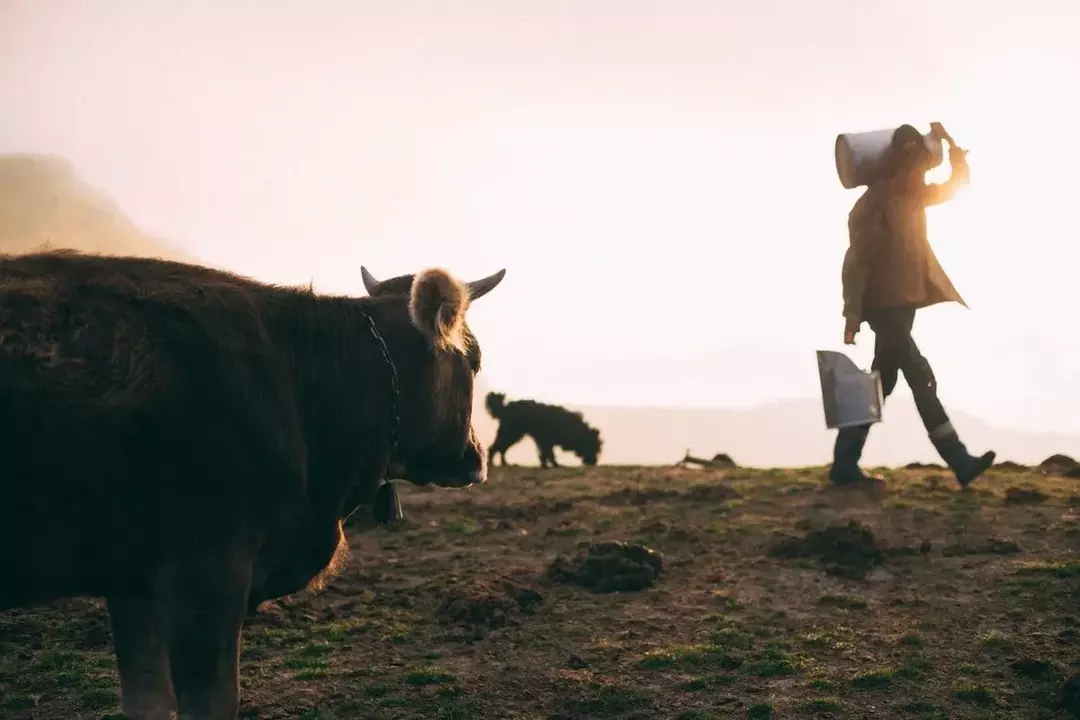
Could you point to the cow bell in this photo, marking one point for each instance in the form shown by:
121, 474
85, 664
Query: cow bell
387, 506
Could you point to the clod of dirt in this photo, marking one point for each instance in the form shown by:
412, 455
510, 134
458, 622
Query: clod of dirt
993, 546
712, 493
485, 605
1069, 695
722, 460
1024, 496
1008, 465
1033, 669
576, 662
1057, 464
537, 510
847, 551
609, 567
923, 466
632, 496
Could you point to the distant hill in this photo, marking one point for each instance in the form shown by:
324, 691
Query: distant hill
785, 434
45, 204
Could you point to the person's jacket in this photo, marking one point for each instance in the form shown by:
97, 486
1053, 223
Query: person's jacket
889, 261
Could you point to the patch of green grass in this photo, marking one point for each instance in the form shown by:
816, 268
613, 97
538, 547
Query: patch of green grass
98, 699
996, 642
835, 639
876, 679
1061, 569
18, 702
310, 662
428, 675
399, 633
773, 661
689, 656
761, 711
914, 668
731, 638
974, 693
1037, 670
912, 639
599, 700
726, 601
818, 706
846, 602
922, 708
452, 711
462, 526
377, 690
706, 683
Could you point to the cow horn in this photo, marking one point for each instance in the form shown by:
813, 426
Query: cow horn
370, 283
480, 288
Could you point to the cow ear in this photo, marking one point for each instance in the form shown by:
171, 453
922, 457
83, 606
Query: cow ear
437, 304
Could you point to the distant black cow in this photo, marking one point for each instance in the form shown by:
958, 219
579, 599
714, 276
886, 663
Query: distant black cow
185, 442
547, 425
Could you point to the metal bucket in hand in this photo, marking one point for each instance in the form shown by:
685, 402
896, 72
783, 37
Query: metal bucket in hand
850, 396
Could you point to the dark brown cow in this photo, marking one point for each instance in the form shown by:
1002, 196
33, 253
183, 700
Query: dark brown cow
185, 443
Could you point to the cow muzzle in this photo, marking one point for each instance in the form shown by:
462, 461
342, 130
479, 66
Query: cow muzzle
469, 469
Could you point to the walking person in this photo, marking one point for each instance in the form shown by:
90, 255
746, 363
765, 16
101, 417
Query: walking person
889, 273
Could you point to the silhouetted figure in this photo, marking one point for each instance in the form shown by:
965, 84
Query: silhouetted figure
890, 271
548, 425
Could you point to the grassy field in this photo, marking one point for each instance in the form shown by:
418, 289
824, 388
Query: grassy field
770, 603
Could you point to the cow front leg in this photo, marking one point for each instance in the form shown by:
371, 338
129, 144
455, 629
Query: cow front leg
207, 611
142, 657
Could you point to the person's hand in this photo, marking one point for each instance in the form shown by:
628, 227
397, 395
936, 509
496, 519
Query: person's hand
851, 329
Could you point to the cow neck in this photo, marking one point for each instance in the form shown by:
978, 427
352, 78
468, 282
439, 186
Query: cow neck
395, 418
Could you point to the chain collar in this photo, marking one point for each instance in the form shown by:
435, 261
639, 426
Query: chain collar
394, 412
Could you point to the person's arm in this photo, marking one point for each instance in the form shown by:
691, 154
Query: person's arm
959, 173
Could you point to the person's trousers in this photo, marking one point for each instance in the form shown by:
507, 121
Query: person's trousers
895, 352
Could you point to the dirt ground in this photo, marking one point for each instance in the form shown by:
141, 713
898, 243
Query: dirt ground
769, 595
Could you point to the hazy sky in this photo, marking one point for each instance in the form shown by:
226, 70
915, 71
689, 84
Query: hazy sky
657, 177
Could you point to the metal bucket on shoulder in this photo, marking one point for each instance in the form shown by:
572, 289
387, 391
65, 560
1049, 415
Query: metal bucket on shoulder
860, 157
850, 396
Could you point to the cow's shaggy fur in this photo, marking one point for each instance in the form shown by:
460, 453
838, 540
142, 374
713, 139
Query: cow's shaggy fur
548, 425
185, 442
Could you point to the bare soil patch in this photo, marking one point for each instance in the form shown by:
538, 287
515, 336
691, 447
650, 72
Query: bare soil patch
916, 600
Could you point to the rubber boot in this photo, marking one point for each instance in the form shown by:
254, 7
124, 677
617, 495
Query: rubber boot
848, 450
964, 465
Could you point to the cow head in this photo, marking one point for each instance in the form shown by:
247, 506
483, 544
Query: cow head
436, 443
